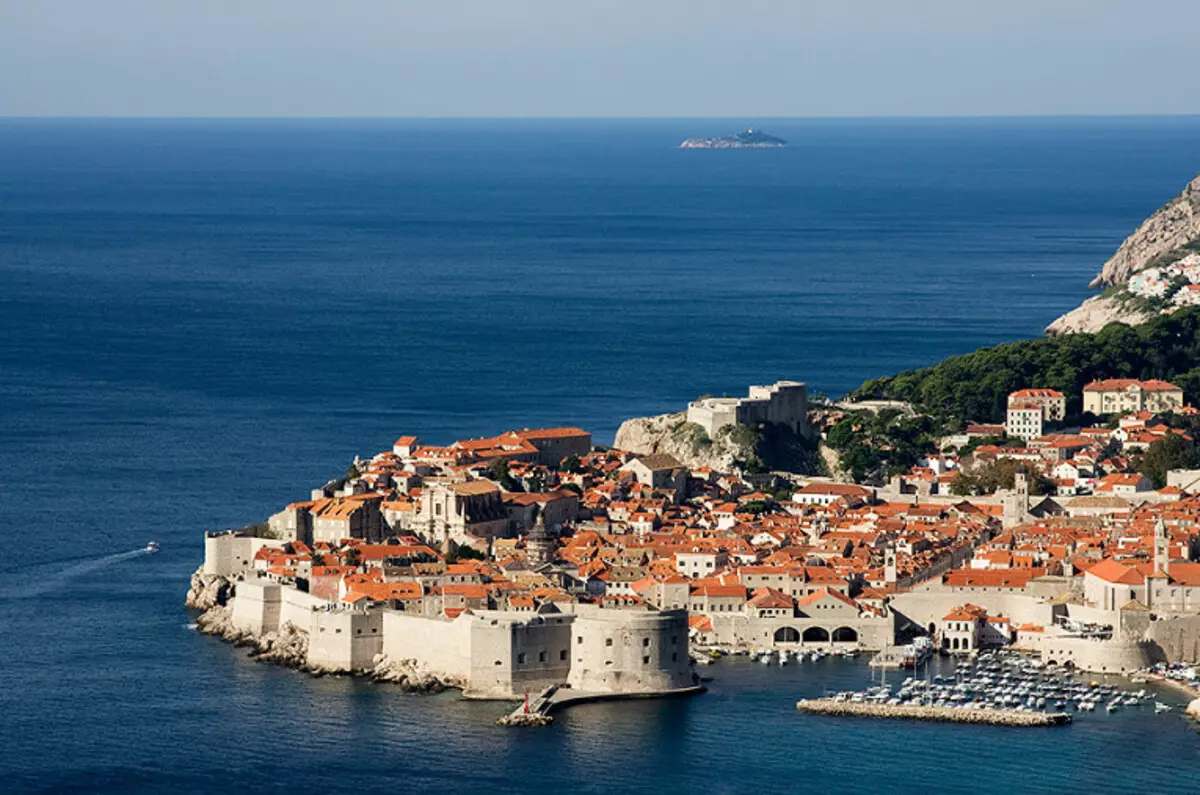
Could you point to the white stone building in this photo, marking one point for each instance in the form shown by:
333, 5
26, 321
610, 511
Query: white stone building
782, 403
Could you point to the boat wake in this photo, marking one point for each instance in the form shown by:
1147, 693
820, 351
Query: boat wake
30, 583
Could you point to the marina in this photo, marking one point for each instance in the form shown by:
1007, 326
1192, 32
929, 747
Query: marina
1003, 681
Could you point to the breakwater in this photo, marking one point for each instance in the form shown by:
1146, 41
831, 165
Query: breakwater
991, 717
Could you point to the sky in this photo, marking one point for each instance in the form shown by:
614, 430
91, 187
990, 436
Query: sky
625, 58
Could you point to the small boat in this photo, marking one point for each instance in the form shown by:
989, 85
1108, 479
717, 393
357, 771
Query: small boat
152, 546
1161, 707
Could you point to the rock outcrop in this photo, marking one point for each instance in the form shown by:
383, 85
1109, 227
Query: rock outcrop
207, 591
525, 719
1095, 313
410, 678
1166, 233
671, 434
1176, 224
1193, 709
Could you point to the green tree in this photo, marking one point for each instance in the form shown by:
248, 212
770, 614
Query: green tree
497, 471
988, 478
975, 386
1173, 452
352, 557
459, 552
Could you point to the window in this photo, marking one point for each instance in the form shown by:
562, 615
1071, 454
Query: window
674, 640
646, 660
541, 656
608, 641
562, 655
521, 659
645, 641
499, 663
674, 657
579, 640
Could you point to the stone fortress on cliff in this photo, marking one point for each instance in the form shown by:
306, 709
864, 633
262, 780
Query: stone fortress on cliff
782, 403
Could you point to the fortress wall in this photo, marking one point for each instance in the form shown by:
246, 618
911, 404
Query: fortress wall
1178, 638
256, 606
435, 645
1099, 656
227, 554
511, 656
344, 640
296, 608
616, 651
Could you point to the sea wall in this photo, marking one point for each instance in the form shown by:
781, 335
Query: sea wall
991, 717
1178, 638
1099, 656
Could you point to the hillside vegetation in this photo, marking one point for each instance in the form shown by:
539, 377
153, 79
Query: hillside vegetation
975, 386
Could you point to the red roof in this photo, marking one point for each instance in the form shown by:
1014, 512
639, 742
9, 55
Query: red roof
1114, 572
1117, 384
769, 598
817, 596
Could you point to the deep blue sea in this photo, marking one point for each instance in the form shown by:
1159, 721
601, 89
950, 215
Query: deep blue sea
200, 320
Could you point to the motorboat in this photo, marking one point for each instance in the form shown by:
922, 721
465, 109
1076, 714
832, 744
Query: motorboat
152, 546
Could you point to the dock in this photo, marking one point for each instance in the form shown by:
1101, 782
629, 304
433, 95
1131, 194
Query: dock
990, 717
891, 657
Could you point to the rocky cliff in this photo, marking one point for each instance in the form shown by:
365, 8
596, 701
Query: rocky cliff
1095, 313
734, 447
686, 442
1176, 224
1161, 238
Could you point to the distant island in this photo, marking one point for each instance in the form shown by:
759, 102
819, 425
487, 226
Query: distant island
750, 139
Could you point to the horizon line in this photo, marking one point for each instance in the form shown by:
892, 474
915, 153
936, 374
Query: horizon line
849, 117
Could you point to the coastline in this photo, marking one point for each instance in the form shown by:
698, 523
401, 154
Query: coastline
210, 596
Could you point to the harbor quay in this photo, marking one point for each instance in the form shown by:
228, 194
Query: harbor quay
828, 706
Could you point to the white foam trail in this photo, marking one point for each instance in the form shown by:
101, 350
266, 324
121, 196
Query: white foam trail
50, 582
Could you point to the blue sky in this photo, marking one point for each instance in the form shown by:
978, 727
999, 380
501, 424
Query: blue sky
756, 58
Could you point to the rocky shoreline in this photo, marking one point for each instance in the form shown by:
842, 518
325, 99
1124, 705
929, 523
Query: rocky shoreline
211, 595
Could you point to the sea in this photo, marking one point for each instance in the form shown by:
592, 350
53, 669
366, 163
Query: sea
201, 320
